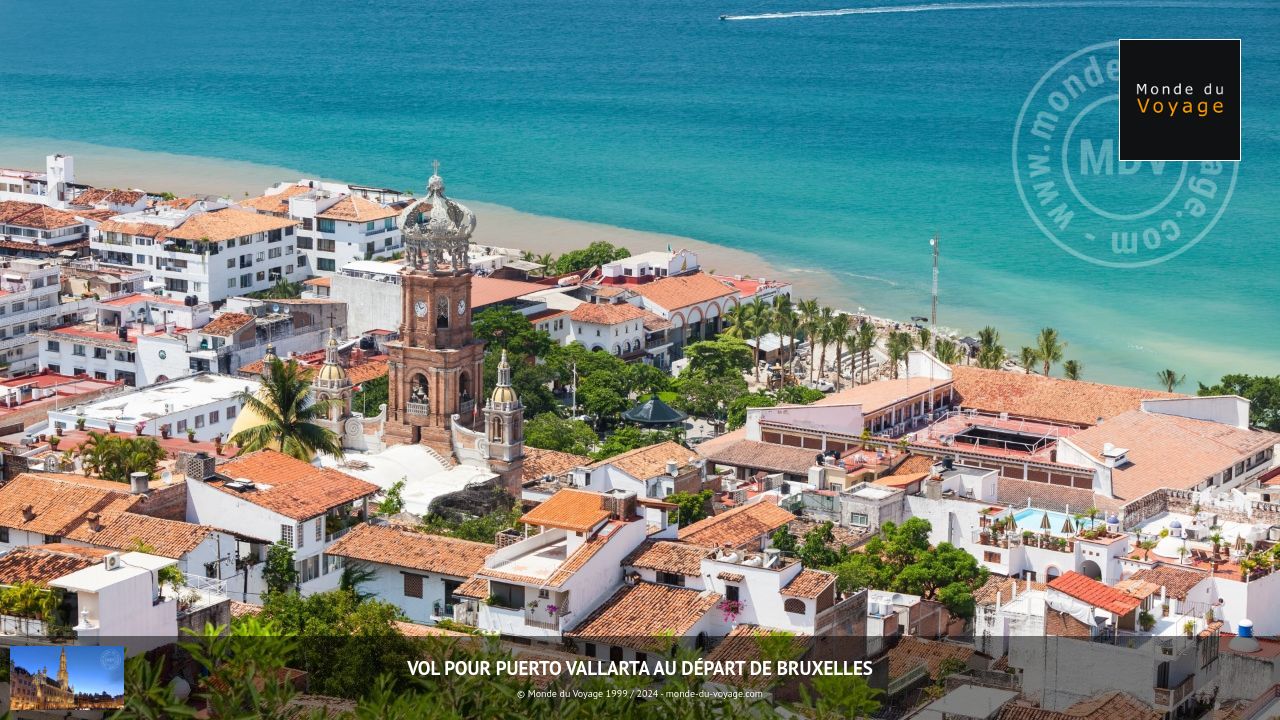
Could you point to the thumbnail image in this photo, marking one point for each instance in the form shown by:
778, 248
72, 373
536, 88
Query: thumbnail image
66, 678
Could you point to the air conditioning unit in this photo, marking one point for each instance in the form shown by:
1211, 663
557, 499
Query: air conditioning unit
112, 561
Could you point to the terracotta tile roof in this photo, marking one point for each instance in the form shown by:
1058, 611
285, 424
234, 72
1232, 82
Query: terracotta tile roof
490, 290
738, 526
123, 531
998, 584
226, 324
1087, 590
757, 455
319, 282
1116, 705
915, 464
602, 314
291, 487
673, 293
1137, 587
1167, 451
539, 463
650, 460
409, 629
912, 652
881, 394
668, 556
1046, 398
582, 555
742, 645
369, 367
98, 196
637, 615
731, 577
40, 565
142, 229
179, 203
654, 322
809, 583
239, 609
476, 587
141, 298
546, 315
569, 509
354, 208
226, 224
35, 215
275, 203
1048, 496
901, 481
414, 550
1177, 581
44, 505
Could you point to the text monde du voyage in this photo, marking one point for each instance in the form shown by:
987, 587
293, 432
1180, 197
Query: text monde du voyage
1182, 99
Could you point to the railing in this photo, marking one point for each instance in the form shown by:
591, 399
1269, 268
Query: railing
415, 408
1172, 697
465, 408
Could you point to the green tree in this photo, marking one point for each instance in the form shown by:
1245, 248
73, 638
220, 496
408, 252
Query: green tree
783, 541
900, 344
798, 395
1071, 369
736, 414
786, 322
549, 431
116, 457
1049, 347
626, 438
817, 550
864, 343
947, 351
479, 529
705, 395
1262, 391
371, 396
724, 357
692, 507
530, 379
503, 328
1169, 379
393, 500
751, 321
990, 352
279, 572
839, 697
282, 290
596, 254
355, 574
1028, 358
290, 420
644, 379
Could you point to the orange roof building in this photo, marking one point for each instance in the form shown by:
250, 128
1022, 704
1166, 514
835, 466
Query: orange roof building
745, 527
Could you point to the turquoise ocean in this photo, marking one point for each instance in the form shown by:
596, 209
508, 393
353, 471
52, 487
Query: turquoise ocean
834, 145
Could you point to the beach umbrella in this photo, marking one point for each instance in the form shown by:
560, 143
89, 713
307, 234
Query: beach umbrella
1044, 522
1067, 527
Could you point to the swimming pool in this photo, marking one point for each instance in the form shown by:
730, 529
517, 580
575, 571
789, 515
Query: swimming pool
1033, 519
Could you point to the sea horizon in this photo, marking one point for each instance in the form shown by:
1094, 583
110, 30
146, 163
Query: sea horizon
759, 143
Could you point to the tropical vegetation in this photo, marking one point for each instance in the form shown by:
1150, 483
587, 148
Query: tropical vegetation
289, 417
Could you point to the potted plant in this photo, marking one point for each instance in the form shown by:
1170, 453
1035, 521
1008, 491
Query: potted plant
731, 609
165, 430
1146, 621
553, 610
191, 435
138, 428
217, 443
58, 429
80, 423
1189, 627
1028, 536
1208, 616
1164, 610
53, 442
532, 605
111, 426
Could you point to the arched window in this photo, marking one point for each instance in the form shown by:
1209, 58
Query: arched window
419, 390
495, 429
464, 387
794, 605
442, 312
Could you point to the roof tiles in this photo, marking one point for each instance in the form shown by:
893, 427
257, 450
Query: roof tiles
414, 550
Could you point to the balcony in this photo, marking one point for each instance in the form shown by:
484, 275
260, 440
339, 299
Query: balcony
1173, 697
466, 407
415, 408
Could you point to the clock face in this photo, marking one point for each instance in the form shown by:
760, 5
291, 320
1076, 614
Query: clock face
420, 308
462, 306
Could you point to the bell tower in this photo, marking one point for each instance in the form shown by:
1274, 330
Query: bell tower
504, 430
437, 366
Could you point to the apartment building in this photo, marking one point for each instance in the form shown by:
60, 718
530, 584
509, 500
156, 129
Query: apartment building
338, 225
205, 251
31, 301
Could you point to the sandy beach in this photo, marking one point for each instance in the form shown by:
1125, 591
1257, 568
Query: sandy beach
497, 225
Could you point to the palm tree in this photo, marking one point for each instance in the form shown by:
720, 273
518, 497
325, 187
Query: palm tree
1170, 379
289, 421
865, 342
1050, 347
900, 343
1071, 369
1028, 358
947, 352
825, 331
838, 332
546, 260
751, 321
787, 323
1146, 546
990, 351
809, 311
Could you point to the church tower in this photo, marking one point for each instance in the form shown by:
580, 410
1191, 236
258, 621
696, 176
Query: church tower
504, 430
331, 383
436, 368
64, 680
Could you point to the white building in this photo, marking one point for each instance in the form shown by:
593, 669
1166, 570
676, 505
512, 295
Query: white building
204, 250
122, 597
615, 328
338, 226
416, 572
30, 228
31, 301
267, 497
205, 405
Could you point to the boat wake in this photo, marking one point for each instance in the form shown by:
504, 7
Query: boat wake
933, 7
